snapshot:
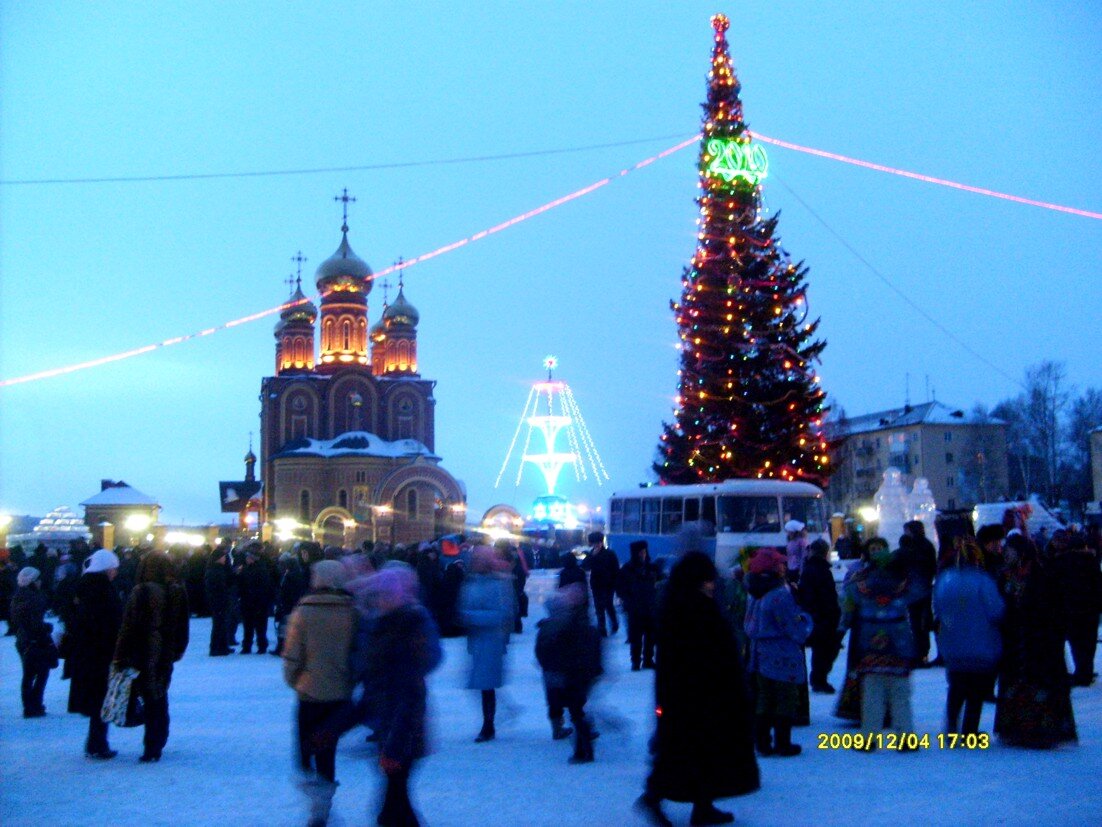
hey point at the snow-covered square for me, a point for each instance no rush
(229, 758)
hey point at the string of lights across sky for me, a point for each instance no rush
(447, 248)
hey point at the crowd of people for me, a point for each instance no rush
(358, 632)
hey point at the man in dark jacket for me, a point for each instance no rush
(570, 572)
(637, 587)
(218, 601)
(32, 641)
(1079, 585)
(919, 558)
(603, 568)
(293, 584)
(818, 596)
(257, 596)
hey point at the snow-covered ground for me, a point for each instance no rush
(228, 759)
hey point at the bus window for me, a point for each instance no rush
(708, 512)
(652, 514)
(692, 509)
(631, 516)
(808, 510)
(747, 515)
(616, 516)
(671, 515)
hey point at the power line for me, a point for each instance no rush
(447, 248)
(204, 176)
(891, 286)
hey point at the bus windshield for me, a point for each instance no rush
(808, 510)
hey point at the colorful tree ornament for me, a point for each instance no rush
(749, 403)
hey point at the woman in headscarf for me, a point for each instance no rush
(153, 637)
(403, 647)
(1034, 705)
(703, 745)
(97, 613)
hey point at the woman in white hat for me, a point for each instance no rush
(96, 618)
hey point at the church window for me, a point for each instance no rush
(403, 355)
(362, 335)
(298, 427)
(411, 503)
(300, 352)
(342, 498)
(346, 334)
(327, 335)
(361, 476)
(304, 506)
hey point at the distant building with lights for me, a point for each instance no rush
(119, 513)
(347, 435)
(963, 458)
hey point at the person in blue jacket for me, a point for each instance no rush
(969, 608)
(777, 629)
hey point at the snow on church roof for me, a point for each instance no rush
(356, 443)
(120, 495)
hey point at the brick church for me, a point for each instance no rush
(348, 435)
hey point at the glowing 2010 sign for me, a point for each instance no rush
(728, 159)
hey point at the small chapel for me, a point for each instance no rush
(347, 422)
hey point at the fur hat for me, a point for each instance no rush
(102, 560)
(27, 575)
(327, 574)
(767, 561)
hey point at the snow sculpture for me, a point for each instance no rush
(892, 506)
(922, 506)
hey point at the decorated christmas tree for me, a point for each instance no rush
(749, 403)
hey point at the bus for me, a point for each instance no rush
(729, 516)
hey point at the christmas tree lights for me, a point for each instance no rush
(749, 403)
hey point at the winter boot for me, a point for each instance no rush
(319, 799)
(583, 744)
(558, 730)
(708, 813)
(763, 739)
(783, 746)
(651, 809)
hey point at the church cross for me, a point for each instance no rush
(346, 199)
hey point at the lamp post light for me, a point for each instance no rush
(377, 511)
(349, 528)
(5, 523)
(136, 524)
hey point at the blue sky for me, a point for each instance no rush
(1000, 95)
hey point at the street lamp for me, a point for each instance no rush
(376, 512)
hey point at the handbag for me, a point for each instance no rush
(122, 705)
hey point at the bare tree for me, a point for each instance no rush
(1084, 416)
(1047, 395)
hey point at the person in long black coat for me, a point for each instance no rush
(637, 585)
(703, 744)
(97, 614)
(257, 595)
(217, 586)
(603, 566)
(32, 641)
(818, 596)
